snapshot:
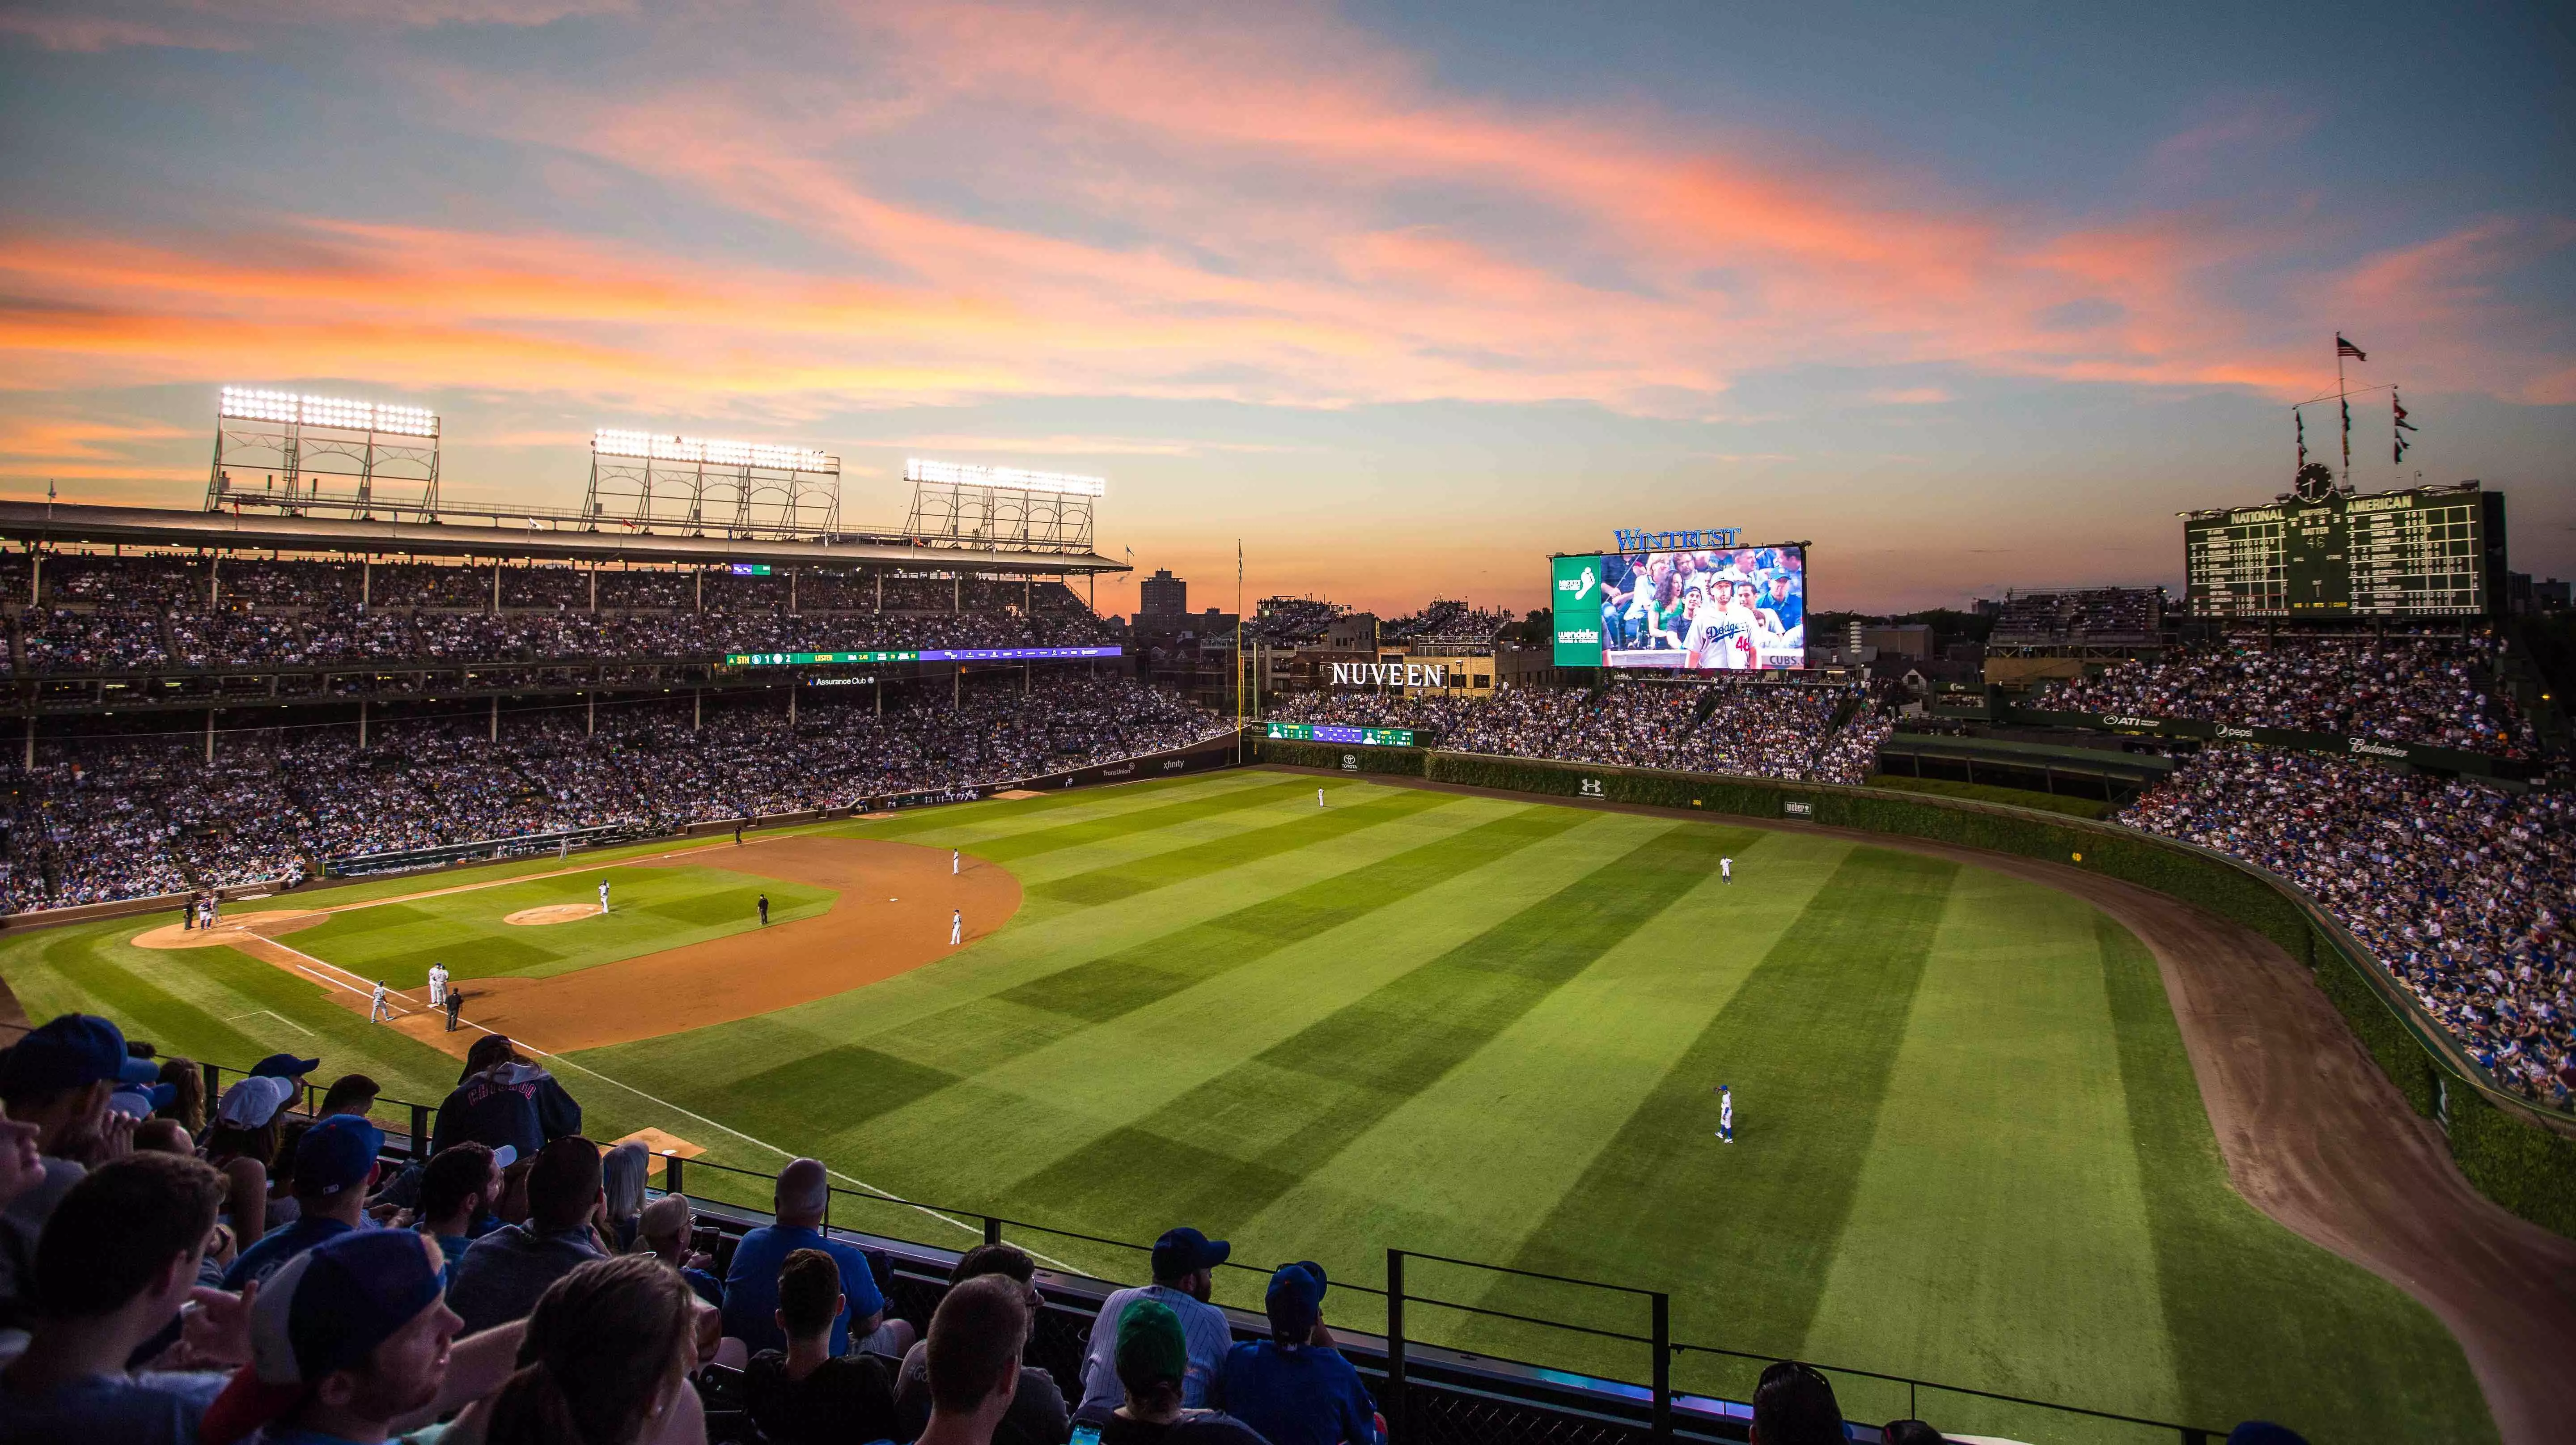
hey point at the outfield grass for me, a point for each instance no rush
(1969, 1147)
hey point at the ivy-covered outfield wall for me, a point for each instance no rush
(2520, 1163)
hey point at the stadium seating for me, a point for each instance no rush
(2093, 616)
(120, 817)
(2462, 891)
(155, 614)
(2438, 690)
(1828, 734)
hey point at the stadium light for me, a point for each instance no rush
(963, 474)
(611, 442)
(252, 404)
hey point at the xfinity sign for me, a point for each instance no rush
(1389, 674)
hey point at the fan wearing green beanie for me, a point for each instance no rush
(1152, 1357)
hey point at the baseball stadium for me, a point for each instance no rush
(1603, 1028)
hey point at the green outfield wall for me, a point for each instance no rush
(2521, 1156)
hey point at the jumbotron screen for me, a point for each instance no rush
(1734, 609)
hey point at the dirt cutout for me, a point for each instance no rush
(552, 913)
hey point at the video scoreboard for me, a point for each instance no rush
(2422, 552)
(1288, 732)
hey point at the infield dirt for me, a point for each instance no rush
(892, 916)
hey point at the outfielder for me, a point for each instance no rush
(1725, 1113)
(956, 862)
(438, 985)
(956, 927)
(1725, 870)
(603, 895)
(1319, 797)
(376, 1010)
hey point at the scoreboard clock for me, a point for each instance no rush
(2421, 552)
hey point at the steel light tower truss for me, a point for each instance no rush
(960, 505)
(277, 450)
(701, 486)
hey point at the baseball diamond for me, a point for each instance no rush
(1472, 1025)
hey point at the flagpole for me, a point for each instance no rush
(2343, 402)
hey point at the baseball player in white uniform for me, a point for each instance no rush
(438, 985)
(1319, 797)
(956, 862)
(1725, 1113)
(376, 1010)
(603, 895)
(956, 927)
(1726, 870)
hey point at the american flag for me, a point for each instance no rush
(2346, 348)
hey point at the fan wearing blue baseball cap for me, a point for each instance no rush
(1294, 1387)
(333, 1166)
(60, 1078)
(350, 1343)
(1185, 1264)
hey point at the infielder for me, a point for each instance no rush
(1725, 1114)
(1725, 870)
(956, 927)
(376, 1010)
(438, 985)
(603, 895)
(764, 910)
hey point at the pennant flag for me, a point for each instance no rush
(2403, 426)
(2303, 435)
(2402, 422)
(2346, 348)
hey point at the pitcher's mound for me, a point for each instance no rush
(1018, 793)
(552, 913)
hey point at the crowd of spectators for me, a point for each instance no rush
(1447, 621)
(2462, 891)
(1286, 622)
(134, 816)
(496, 1294)
(2094, 614)
(2402, 688)
(141, 614)
(1763, 730)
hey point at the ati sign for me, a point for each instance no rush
(1389, 674)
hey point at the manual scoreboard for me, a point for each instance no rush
(2423, 552)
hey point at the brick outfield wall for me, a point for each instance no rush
(2520, 1155)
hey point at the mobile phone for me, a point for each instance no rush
(704, 1238)
(1085, 1434)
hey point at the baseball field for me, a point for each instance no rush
(1969, 1143)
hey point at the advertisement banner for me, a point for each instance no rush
(2449, 760)
(1577, 591)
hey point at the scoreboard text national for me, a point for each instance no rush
(2424, 552)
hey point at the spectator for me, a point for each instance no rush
(1185, 1264)
(1037, 1415)
(806, 1395)
(164, 1136)
(1908, 1432)
(115, 1264)
(1793, 1405)
(456, 1189)
(495, 1103)
(58, 1077)
(606, 1361)
(187, 1080)
(1294, 1387)
(349, 1094)
(751, 1285)
(22, 1167)
(1153, 1358)
(621, 1179)
(976, 1336)
(243, 1142)
(507, 1270)
(664, 1230)
(285, 1066)
(333, 1165)
(513, 1208)
(351, 1342)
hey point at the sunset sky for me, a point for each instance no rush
(1406, 297)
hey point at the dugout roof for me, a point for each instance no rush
(56, 524)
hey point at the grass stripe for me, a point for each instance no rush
(1013, 815)
(2264, 1324)
(1223, 1151)
(1130, 877)
(1164, 815)
(1807, 1041)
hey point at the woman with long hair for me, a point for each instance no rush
(621, 1178)
(187, 1081)
(606, 1361)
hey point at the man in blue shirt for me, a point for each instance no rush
(751, 1284)
(333, 1165)
(1294, 1387)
